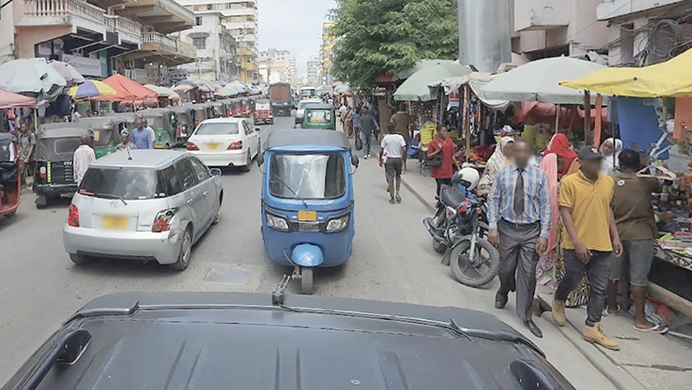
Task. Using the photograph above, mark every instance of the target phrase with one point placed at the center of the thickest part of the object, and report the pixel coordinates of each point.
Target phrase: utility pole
(485, 39)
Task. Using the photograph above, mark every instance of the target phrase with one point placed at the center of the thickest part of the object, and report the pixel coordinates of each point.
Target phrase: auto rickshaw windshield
(318, 116)
(307, 176)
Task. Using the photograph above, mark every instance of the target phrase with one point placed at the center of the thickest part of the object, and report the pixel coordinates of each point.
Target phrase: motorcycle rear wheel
(478, 276)
(438, 246)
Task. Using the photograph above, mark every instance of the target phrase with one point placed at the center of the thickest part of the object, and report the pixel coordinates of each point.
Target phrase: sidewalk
(645, 360)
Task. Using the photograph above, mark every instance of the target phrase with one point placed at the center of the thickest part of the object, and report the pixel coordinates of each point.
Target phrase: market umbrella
(127, 90)
(68, 72)
(241, 86)
(31, 75)
(415, 87)
(183, 87)
(15, 100)
(420, 65)
(538, 81)
(91, 89)
(163, 92)
(667, 79)
(226, 92)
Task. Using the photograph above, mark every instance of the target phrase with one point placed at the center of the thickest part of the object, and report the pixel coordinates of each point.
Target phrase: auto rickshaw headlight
(337, 224)
(276, 222)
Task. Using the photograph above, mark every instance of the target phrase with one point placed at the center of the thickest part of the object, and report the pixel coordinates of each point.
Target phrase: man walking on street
(519, 216)
(403, 122)
(141, 137)
(367, 125)
(394, 147)
(27, 144)
(634, 218)
(589, 238)
(151, 131)
(82, 158)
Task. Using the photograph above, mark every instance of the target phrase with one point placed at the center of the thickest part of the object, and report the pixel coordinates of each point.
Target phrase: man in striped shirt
(519, 216)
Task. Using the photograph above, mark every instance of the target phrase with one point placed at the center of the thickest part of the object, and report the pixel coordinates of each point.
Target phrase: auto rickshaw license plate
(305, 215)
(213, 146)
(114, 223)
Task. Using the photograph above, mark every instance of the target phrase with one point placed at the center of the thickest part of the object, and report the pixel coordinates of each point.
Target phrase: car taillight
(162, 221)
(43, 172)
(73, 216)
(237, 145)
(180, 130)
(190, 146)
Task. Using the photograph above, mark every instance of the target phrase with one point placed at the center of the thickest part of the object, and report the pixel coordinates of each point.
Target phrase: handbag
(435, 161)
(358, 142)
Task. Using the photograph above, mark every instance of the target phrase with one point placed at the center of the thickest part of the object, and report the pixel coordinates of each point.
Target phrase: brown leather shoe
(594, 334)
(558, 312)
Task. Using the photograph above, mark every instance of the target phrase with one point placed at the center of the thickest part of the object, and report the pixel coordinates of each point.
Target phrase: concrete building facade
(314, 71)
(216, 48)
(326, 53)
(240, 17)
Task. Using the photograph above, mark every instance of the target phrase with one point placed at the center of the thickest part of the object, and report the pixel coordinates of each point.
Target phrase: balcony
(611, 9)
(165, 16)
(127, 30)
(74, 13)
(539, 14)
(169, 49)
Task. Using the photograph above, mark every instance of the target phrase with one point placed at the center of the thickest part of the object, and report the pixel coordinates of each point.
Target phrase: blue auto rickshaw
(307, 200)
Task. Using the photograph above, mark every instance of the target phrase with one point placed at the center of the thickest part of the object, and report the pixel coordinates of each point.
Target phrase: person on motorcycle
(519, 218)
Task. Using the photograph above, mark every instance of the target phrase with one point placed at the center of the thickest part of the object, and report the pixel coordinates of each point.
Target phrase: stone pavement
(645, 361)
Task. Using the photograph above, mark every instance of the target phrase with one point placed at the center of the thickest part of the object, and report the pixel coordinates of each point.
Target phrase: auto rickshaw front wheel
(41, 201)
(306, 279)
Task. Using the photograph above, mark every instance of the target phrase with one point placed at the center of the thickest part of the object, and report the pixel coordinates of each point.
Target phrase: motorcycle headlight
(276, 222)
(337, 224)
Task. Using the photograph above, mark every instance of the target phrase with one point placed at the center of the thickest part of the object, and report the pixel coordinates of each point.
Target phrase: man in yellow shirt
(589, 238)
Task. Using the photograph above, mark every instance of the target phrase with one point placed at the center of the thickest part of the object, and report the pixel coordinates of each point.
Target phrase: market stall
(653, 110)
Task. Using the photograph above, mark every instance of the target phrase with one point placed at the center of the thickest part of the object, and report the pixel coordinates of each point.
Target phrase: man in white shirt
(151, 131)
(83, 157)
(394, 147)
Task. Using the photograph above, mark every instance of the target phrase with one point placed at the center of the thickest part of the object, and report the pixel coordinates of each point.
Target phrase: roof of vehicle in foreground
(149, 158)
(242, 341)
(222, 120)
(295, 137)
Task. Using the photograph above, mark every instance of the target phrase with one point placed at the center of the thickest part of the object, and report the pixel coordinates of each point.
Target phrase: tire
(78, 259)
(306, 281)
(460, 263)
(248, 163)
(438, 246)
(41, 202)
(217, 216)
(185, 251)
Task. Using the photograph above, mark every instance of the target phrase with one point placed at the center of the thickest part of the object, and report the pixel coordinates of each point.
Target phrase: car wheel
(185, 251)
(217, 216)
(168, 146)
(248, 162)
(78, 259)
(306, 285)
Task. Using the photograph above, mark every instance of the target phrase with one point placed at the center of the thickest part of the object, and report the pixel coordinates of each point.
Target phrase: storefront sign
(85, 66)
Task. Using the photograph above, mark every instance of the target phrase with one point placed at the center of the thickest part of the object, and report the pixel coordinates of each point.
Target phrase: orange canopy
(127, 90)
(15, 100)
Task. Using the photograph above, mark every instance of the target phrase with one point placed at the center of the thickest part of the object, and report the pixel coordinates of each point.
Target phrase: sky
(294, 25)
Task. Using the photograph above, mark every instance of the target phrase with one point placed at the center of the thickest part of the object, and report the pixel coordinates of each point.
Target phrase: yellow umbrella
(91, 89)
(667, 79)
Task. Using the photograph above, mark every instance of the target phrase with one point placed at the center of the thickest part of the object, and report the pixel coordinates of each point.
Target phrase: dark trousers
(367, 142)
(518, 260)
(393, 169)
(440, 182)
(597, 271)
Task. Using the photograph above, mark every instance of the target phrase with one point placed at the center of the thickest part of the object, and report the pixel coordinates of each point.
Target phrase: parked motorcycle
(458, 229)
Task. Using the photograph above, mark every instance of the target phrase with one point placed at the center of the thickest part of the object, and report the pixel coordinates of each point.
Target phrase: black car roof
(288, 137)
(240, 341)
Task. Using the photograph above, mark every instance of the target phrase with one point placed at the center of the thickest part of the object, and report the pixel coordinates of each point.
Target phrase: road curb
(418, 196)
(615, 373)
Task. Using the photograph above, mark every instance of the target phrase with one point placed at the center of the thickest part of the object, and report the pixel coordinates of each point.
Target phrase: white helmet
(468, 177)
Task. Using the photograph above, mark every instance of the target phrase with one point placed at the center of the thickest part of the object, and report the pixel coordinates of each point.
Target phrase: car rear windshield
(217, 129)
(128, 184)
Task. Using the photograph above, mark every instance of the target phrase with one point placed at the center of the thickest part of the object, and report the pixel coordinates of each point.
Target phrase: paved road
(392, 260)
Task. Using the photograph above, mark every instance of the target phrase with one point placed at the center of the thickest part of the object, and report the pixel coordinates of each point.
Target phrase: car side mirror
(215, 172)
(354, 160)
(260, 159)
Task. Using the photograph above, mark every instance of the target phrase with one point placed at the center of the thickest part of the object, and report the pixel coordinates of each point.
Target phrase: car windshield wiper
(274, 175)
(278, 298)
(110, 196)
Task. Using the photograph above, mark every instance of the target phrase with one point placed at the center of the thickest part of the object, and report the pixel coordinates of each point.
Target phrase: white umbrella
(68, 72)
(31, 75)
(539, 81)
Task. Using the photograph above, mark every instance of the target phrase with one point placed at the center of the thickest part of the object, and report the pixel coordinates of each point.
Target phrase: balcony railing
(128, 26)
(52, 8)
(159, 38)
(186, 49)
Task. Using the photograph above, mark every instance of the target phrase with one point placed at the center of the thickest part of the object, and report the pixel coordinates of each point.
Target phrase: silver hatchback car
(143, 205)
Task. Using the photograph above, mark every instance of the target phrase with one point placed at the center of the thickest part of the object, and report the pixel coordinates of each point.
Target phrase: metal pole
(484, 37)
(558, 108)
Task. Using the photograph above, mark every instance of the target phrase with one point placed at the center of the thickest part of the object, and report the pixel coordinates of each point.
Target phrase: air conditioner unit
(130, 64)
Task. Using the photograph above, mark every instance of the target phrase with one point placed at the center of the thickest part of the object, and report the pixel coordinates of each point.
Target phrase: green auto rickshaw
(219, 108)
(106, 132)
(186, 122)
(200, 113)
(164, 121)
(319, 116)
(55, 147)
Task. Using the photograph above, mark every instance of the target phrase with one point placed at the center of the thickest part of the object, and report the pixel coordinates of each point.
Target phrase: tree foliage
(377, 37)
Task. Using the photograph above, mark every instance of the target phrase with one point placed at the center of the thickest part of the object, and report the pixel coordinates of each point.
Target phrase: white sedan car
(225, 142)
